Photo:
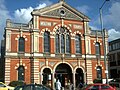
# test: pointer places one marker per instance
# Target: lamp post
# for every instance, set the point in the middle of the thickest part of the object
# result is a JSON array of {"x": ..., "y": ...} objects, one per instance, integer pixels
[{"x": 104, "y": 44}]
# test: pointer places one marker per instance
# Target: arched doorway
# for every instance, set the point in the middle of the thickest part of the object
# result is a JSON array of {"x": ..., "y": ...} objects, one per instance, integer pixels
[
  {"x": 63, "y": 72},
  {"x": 99, "y": 72},
  {"x": 79, "y": 76},
  {"x": 21, "y": 73},
  {"x": 46, "y": 76}
]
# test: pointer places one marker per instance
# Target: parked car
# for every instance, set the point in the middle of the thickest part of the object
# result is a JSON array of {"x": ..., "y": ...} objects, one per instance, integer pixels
[
  {"x": 98, "y": 86},
  {"x": 115, "y": 82},
  {"x": 32, "y": 87},
  {"x": 5, "y": 87}
]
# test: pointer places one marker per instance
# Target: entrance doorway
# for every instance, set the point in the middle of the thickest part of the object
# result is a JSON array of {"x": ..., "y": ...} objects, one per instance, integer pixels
[
  {"x": 63, "y": 72},
  {"x": 79, "y": 76},
  {"x": 46, "y": 76}
]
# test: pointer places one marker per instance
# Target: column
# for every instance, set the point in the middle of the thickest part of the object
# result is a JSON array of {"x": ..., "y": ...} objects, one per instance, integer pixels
[
  {"x": 53, "y": 81},
  {"x": 41, "y": 78},
  {"x": 74, "y": 80}
]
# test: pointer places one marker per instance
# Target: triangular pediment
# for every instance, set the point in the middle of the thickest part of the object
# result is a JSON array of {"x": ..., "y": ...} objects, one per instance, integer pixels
[{"x": 61, "y": 10}]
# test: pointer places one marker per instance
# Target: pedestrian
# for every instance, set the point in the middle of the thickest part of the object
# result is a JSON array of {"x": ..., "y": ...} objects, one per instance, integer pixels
[
  {"x": 71, "y": 87},
  {"x": 58, "y": 85},
  {"x": 80, "y": 85}
]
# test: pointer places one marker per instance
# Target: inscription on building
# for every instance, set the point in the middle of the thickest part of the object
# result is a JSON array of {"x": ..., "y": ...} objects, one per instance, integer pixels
[
  {"x": 43, "y": 23},
  {"x": 77, "y": 26}
]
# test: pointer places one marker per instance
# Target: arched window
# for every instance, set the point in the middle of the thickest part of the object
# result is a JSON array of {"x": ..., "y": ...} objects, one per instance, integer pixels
[
  {"x": 57, "y": 43},
  {"x": 21, "y": 44},
  {"x": 46, "y": 41},
  {"x": 97, "y": 48},
  {"x": 62, "y": 43},
  {"x": 78, "y": 43},
  {"x": 62, "y": 40},
  {"x": 68, "y": 43},
  {"x": 21, "y": 73},
  {"x": 99, "y": 72}
]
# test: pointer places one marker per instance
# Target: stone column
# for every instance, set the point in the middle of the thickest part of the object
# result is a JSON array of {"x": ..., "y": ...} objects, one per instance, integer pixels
[
  {"x": 53, "y": 81},
  {"x": 41, "y": 78},
  {"x": 74, "y": 80}
]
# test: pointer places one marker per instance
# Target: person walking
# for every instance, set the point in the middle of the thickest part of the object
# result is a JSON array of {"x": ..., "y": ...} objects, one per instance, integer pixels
[
  {"x": 58, "y": 85},
  {"x": 71, "y": 87}
]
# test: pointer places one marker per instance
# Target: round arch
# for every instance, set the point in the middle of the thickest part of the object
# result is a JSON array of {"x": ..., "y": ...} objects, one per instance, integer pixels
[
  {"x": 59, "y": 26},
  {"x": 46, "y": 75},
  {"x": 63, "y": 72},
  {"x": 79, "y": 75},
  {"x": 61, "y": 63}
]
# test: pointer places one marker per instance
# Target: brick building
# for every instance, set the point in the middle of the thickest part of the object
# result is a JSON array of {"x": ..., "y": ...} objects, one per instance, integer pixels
[
  {"x": 114, "y": 58},
  {"x": 57, "y": 43}
]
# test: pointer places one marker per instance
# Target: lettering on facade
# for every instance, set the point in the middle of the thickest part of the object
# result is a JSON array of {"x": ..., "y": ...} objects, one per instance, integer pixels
[
  {"x": 77, "y": 26},
  {"x": 43, "y": 23}
]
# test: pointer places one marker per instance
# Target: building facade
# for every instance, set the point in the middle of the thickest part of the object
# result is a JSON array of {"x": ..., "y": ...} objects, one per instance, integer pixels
[
  {"x": 57, "y": 43},
  {"x": 114, "y": 58}
]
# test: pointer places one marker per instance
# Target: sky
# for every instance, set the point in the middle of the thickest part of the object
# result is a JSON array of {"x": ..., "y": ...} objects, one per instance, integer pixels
[{"x": 19, "y": 11}]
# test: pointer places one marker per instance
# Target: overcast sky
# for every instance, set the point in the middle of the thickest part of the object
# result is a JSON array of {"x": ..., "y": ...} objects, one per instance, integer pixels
[{"x": 19, "y": 11}]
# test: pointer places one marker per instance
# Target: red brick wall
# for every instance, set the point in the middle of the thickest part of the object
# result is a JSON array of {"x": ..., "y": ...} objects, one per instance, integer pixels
[{"x": 14, "y": 73}]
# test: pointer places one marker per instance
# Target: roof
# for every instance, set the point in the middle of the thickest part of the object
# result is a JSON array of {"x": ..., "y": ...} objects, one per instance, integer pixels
[{"x": 54, "y": 11}]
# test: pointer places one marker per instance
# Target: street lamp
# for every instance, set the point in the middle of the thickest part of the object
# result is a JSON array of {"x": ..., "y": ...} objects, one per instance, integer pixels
[{"x": 103, "y": 37}]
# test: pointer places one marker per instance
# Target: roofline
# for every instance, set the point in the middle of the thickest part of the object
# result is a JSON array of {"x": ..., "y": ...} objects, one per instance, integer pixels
[{"x": 61, "y": 3}]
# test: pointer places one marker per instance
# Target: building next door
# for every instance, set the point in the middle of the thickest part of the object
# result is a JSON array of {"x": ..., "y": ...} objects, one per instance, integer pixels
[{"x": 63, "y": 72}]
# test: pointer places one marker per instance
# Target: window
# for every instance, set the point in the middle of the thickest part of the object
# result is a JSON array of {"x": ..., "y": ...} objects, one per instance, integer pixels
[
  {"x": 78, "y": 43},
  {"x": 21, "y": 71},
  {"x": 105, "y": 87},
  {"x": 46, "y": 41},
  {"x": 57, "y": 44},
  {"x": 62, "y": 44},
  {"x": 97, "y": 48},
  {"x": 99, "y": 72},
  {"x": 94, "y": 87},
  {"x": 67, "y": 43},
  {"x": 62, "y": 40},
  {"x": 21, "y": 44}
]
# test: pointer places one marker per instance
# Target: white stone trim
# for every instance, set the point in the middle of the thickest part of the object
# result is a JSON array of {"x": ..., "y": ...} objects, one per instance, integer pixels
[
  {"x": 7, "y": 71},
  {"x": 73, "y": 55},
  {"x": 52, "y": 55}
]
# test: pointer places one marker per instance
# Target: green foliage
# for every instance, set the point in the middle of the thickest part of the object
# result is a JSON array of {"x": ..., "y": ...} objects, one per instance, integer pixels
[
  {"x": 16, "y": 83},
  {"x": 97, "y": 81}
]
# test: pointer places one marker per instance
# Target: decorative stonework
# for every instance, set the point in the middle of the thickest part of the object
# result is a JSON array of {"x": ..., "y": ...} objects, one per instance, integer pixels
[
  {"x": 44, "y": 23},
  {"x": 77, "y": 26},
  {"x": 52, "y": 63},
  {"x": 98, "y": 65},
  {"x": 77, "y": 32},
  {"x": 68, "y": 14},
  {"x": 18, "y": 36},
  {"x": 59, "y": 26},
  {"x": 17, "y": 66},
  {"x": 74, "y": 64},
  {"x": 97, "y": 41},
  {"x": 82, "y": 64},
  {"x": 42, "y": 64}
]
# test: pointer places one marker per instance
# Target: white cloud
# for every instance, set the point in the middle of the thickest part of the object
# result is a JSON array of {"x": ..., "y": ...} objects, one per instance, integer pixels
[
  {"x": 112, "y": 20},
  {"x": 84, "y": 9},
  {"x": 114, "y": 16},
  {"x": 113, "y": 34},
  {"x": 4, "y": 14},
  {"x": 24, "y": 15},
  {"x": 20, "y": 15}
]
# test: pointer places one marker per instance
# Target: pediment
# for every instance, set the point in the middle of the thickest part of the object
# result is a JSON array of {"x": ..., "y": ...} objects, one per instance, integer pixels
[{"x": 61, "y": 10}]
